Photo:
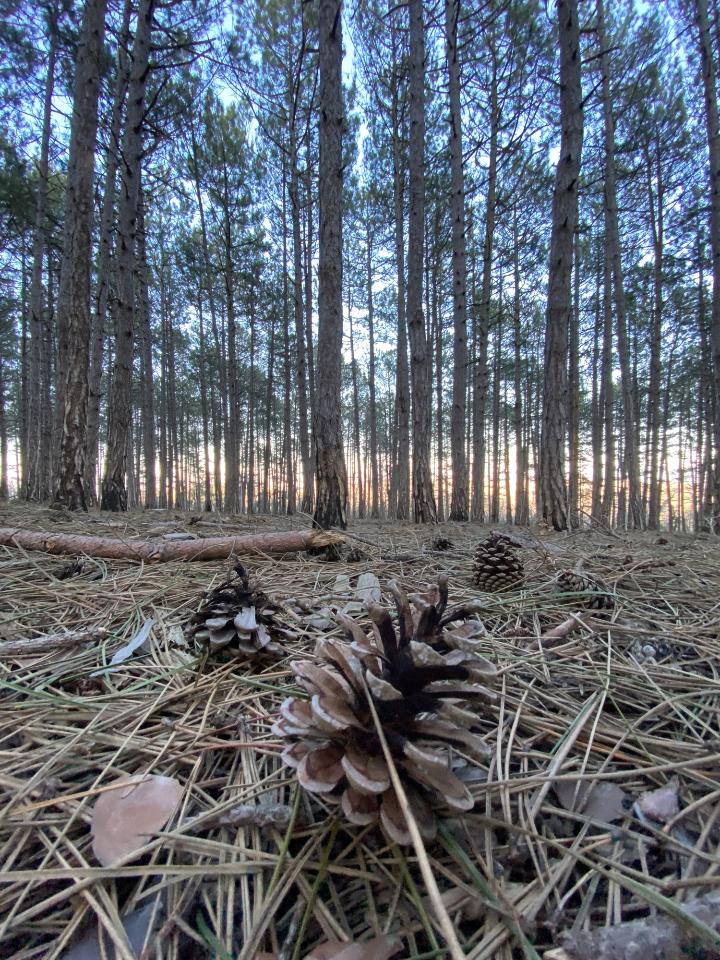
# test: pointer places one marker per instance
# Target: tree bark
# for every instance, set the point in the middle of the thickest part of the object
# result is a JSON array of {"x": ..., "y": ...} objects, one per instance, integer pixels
[
  {"x": 707, "y": 63},
  {"x": 613, "y": 252},
  {"x": 459, "y": 498},
  {"x": 104, "y": 259},
  {"x": 374, "y": 474},
  {"x": 32, "y": 441},
  {"x": 74, "y": 296},
  {"x": 147, "y": 391},
  {"x": 330, "y": 471},
  {"x": 424, "y": 510},
  {"x": 559, "y": 305},
  {"x": 114, "y": 492}
]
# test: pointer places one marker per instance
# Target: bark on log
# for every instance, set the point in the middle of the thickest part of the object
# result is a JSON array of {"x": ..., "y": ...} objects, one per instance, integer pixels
[
  {"x": 655, "y": 938},
  {"x": 160, "y": 551}
]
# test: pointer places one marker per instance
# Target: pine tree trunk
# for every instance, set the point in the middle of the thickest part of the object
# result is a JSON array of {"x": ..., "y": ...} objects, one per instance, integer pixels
[
  {"x": 374, "y": 473},
  {"x": 147, "y": 390},
  {"x": 480, "y": 379},
  {"x": 713, "y": 140},
  {"x": 574, "y": 392},
  {"x": 657, "y": 230},
  {"x": 114, "y": 493},
  {"x": 330, "y": 475},
  {"x": 521, "y": 457},
  {"x": 103, "y": 268},
  {"x": 33, "y": 490},
  {"x": 400, "y": 490},
  {"x": 559, "y": 303},
  {"x": 74, "y": 296},
  {"x": 613, "y": 252},
  {"x": 290, "y": 503},
  {"x": 459, "y": 501},
  {"x": 202, "y": 373},
  {"x": 424, "y": 510},
  {"x": 301, "y": 366},
  {"x": 607, "y": 396}
]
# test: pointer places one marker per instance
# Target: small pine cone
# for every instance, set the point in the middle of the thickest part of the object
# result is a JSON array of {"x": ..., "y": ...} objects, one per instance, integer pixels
[
  {"x": 234, "y": 618},
  {"x": 496, "y": 564},
  {"x": 420, "y": 696},
  {"x": 592, "y": 591},
  {"x": 441, "y": 543}
]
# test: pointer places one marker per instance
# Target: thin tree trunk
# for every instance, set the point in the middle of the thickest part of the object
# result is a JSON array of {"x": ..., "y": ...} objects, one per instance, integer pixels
[
  {"x": 400, "y": 502},
  {"x": 559, "y": 305},
  {"x": 424, "y": 510},
  {"x": 480, "y": 381},
  {"x": 374, "y": 476},
  {"x": 74, "y": 297},
  {"x": 103, "y": 268},
  {"x": 33, "y": 490},
  {"x": 459, "y": 501},
  {"x": 114, "y": 494},
  {"x": 574, "y": 394},
  {"x": 330, "y": 476},
  {"x": 147, "y": 391},
  {"x": 613, "y": 252},
  {"x": 713, "y": 139}
]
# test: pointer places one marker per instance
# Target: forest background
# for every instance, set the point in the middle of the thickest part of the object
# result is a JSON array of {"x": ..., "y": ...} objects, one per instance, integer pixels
[{"x": 201, "y": 373}]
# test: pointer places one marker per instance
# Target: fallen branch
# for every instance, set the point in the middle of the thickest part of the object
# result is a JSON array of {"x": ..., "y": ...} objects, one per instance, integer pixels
[
  {"x": 50, "y": 641},
  {"x": 160, "y": 551},
  {"x": 654, "y": 938}
]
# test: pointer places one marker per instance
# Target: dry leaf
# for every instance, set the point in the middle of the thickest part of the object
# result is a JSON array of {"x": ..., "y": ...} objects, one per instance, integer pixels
[
  {"x": 379, "y": 948},
  {"x": 661, "y": 804},
  {"x": 368, "y": 588},
  {"x": 124, "y": 819},
  {"x": 602, "y": 801}
]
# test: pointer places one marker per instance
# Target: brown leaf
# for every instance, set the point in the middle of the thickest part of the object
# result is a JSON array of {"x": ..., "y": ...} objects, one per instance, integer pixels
[
  {"x": 379, "y": 948},
  {"x": 124, "y": 819}
]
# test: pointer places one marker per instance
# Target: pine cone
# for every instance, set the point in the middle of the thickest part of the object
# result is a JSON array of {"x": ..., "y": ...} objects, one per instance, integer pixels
[
  {"x": 417, "y": 693},
  {"x": 235, "y": 618},
  {"x": 496, "y": 564},
  {"x": 441, "y": 543},
  {"x": 595, "y": 594}
]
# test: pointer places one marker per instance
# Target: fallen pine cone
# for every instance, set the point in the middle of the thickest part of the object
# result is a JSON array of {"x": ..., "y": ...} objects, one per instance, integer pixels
[
  {"x": 421, "y": 697},
  {"x": 234, "y": 618}
]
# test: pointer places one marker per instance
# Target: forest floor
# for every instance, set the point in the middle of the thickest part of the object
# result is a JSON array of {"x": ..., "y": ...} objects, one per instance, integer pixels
[{"x": 601, "y": 803}]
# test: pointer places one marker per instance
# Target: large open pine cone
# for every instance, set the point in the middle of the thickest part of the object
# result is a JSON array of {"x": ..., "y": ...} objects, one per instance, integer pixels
[
  {"x": 421, "y": 697},
  {"x": 594, "y": 593},
  {"x": 235, "y": 618},
  {"x": 496, "y": 564}
]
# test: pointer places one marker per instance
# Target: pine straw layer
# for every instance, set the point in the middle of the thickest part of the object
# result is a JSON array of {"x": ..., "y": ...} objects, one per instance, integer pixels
[{"x": 512, "y": 874}]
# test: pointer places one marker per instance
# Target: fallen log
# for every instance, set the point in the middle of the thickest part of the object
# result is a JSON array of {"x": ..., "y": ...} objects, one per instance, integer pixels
[{"x": 161, "y": 551}]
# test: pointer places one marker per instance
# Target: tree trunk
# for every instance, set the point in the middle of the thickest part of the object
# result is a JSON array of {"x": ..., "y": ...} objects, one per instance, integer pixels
[
  {"x": 713, "y": 139},
  {"x": 459, "y": 500},
  {"x": 374, "y": 477},
  {"x": 424, "y": 510},
  {"x": 330, "y": 476},
  {"x": 480, "y": 379},
  {"x": 32, "y": 440},
  {"x": 103, "y": 269},
  {"x": 400, "y": 502},
  {"x": 574, "y": 393},
  {"x": 74, "y": 297},
  {"x": 559, "y": 304},
  {"x": 613, "y": 252},
  {"x": 521, "y": 457},
  {"x": 114, "y": 494},
  {"x": 147, "y": 392}
]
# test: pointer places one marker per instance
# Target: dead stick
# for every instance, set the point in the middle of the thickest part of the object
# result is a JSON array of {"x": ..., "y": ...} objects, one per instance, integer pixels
[
  {"x": 562, "y": 630},
  {"x": 50, "y": 641},
  {"x": 159, "y": 551}
]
